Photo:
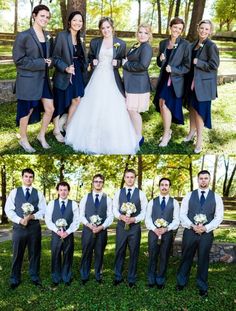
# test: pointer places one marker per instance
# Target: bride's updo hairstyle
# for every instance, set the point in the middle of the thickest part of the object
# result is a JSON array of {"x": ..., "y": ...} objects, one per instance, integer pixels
[{"x": 105, "y": 19}]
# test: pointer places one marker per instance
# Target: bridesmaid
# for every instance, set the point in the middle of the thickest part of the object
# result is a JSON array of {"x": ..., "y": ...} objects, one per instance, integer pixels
[
  {"x": 136, "y": 78},
  {"x": 202, "y": 86},
  {"x": 174, "y": 60},
  {"x": 31, "y": 54},
  {"x": 69, "y": 60}
]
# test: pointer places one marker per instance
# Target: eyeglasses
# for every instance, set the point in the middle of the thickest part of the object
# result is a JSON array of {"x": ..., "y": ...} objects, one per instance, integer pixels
[{"x": 98, "y": 181}]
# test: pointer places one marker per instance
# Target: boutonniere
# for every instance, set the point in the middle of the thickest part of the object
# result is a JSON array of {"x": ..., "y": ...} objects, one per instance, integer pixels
[
  {"x": 48, "y": 37},
  {"x": 116, "y": 45},
  {"x": 201, "y": 45},
  {"x": 175, "y": 46},
  {"x": 82, "y": 40}
]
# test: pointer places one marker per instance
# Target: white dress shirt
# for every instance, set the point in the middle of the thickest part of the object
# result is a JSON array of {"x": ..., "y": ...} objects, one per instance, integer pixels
[
  {"x": 219, "y": 211},
  {"x": 10, "y": 205},
  {"x": 108, "y": 221},
  {"x": 171, "y": 226},
  {"x": 143, "y": 200},
  {"x": 48, "y": 216}
]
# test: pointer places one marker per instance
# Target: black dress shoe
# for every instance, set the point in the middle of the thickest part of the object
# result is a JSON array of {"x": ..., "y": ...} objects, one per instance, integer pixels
[
  {"x": 84, "y": 281},
  {"x": 37, "y": 283},
  {"x": 160, "y": 286},
  {"x": 151, "y": 285},
  {"x": 203, "y": 293},
  {"x": 67, "y": 283},
  {"x": 55, "y": 283},
  {"x": 14, "y": 285},
  {"x": 117, "y": 282},
  {"x": 131, "y": 284},
  {"x": 99, "y": 281},
  {"x": 179, "y": 288}
]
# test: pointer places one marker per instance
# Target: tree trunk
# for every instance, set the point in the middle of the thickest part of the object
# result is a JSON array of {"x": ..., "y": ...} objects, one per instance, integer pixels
[
  {"x": 4, "y": 193},
  {"x": 191, "y": 174},
  {"x": 203, "y": 162},
  {"x": 111, "y": 8},
  {"x": 197, "y": 13},
  {"x": 153, "y": 185},
  {"x": 126, "y": 167},
  {"x": 170, "y": 11},
  {"x": 214, "y": 173},
  {"x": 153, "y": 10},
  {"x": 177, "y": 8},
  {"x": 139, "y": 12},
  {"x": 62, "y": 169},
  {"x": 226, "y": 162},
  {"x": 159, "y": 15},
  {"x": 186, "y": 13},
  {"x": 227, "y": 190},
  {"x": 16, "y": 17},
  {"x": 77, "y": 5},
  {"x": 140, "y": 171},
  {"x": 63, "y": 13}
]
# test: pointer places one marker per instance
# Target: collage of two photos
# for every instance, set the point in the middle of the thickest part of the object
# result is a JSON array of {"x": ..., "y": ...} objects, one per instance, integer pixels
[{"x": 117, "y": 155}]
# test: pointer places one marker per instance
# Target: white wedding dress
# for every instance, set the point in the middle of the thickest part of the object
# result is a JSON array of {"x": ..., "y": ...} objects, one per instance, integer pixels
[{"x": 101, "y": 123}]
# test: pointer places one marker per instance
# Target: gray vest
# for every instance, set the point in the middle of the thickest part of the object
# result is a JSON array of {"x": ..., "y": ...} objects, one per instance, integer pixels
[
  {"x": 67, "y": 215},
  {"x": 208, "y": 208},
  {"x": 166, "y": 214},
  {"x": 134, "y": 199},
  {"x": 20, "y": 199},
  {"x": 91, "y": 210}
]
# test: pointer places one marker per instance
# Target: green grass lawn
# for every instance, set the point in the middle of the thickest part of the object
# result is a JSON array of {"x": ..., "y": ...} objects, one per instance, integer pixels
[
  {"x": 94, "y": 297},
  {"x": 221, "y": 139}
]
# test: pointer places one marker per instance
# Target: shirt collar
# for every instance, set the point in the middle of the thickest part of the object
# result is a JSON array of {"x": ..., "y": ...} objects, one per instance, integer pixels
[
  {"x": 25, "y": 187},
  {"x": 99, "y": 194},
  {"x": 200, "y": 192},
  {"x": 65, "y": 200},
  {"x": 132, "y": 188},
  {"x": 166, "y": 196}
]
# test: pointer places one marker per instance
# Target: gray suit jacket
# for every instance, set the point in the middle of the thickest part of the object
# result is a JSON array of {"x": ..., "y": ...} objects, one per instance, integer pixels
[
  {"x": 136, "y": 78},
  {"x": 205, "y": 71},
  {"x": 30, "y": 65},
  {"x": 118, "y": 54},
  {"x": 180, "y": 62},
  {"x": 62, "y": 58}
]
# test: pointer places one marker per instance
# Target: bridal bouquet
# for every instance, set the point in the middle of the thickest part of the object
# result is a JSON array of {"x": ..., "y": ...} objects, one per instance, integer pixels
[
  {"x": 128, "y": 208},
  {"x": 61, "y": 224},
  {"x": 27, "y": 209},
  {"x": 95, "y": 220},
  {"x": 200, "y": 219},
  {"x": 160, "y": 223}
]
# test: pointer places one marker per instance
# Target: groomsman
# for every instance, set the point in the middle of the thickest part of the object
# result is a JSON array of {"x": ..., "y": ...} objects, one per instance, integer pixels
[
  {"x": 94, "y": 236},
  {"x": 132, "y": 236},
  {"x": 198, "y": 237},
  {"x": 62, "y": 241},
  {"x": 160, "y": 239},
  {"x": 26, "y": 228}
]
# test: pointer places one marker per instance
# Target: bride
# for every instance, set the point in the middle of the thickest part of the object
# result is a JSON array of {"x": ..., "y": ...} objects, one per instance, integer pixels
[{"x": 101, "y": 123}]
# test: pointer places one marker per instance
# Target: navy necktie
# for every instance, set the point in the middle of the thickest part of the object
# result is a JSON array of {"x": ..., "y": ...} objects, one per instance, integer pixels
[
  {"x": 27, "y": 194},
  {"x": 96, "y": 203},
  {"x": 202, "y": 198},
  {"x": 129, "y": 195},
  {"x": 63, "y": 207},
  {"x": 163, "y": 204}
]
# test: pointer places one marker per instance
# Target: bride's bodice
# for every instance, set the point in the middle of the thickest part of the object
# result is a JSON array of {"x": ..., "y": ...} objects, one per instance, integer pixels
[{"x": 105, "y": 57}]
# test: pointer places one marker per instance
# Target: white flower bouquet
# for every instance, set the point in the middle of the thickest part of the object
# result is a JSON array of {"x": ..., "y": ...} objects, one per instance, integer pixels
[
  {"x": 160, "y": 223},
  {"x": 27, "y": 209},
  {"x": 61, "y": 224},
  {"x": 95, "y": 220},
  {"x": 200, "y": 219},
  {"x": 128, "y": 208}
]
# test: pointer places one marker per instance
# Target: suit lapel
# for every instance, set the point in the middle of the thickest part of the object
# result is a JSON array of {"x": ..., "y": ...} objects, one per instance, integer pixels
[
  {"x": 199, "y": 52},
  {"x": 172, "y": 54},
  {"x": 98, "y": 47},
  {"x": 33, "y": 33},
  {"x": 70, "y": 44},
  {"x": 115, "y": 49},
  {"x": 47, "y": 40}
]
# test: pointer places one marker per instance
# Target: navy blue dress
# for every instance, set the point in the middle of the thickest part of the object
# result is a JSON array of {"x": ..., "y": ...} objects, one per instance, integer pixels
[
  {"x": 63, "y": 98},
  {"x": 203, "y": 108},
  {"x": 167, "y": 93},
  {"x": 24, "y": 106}
]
